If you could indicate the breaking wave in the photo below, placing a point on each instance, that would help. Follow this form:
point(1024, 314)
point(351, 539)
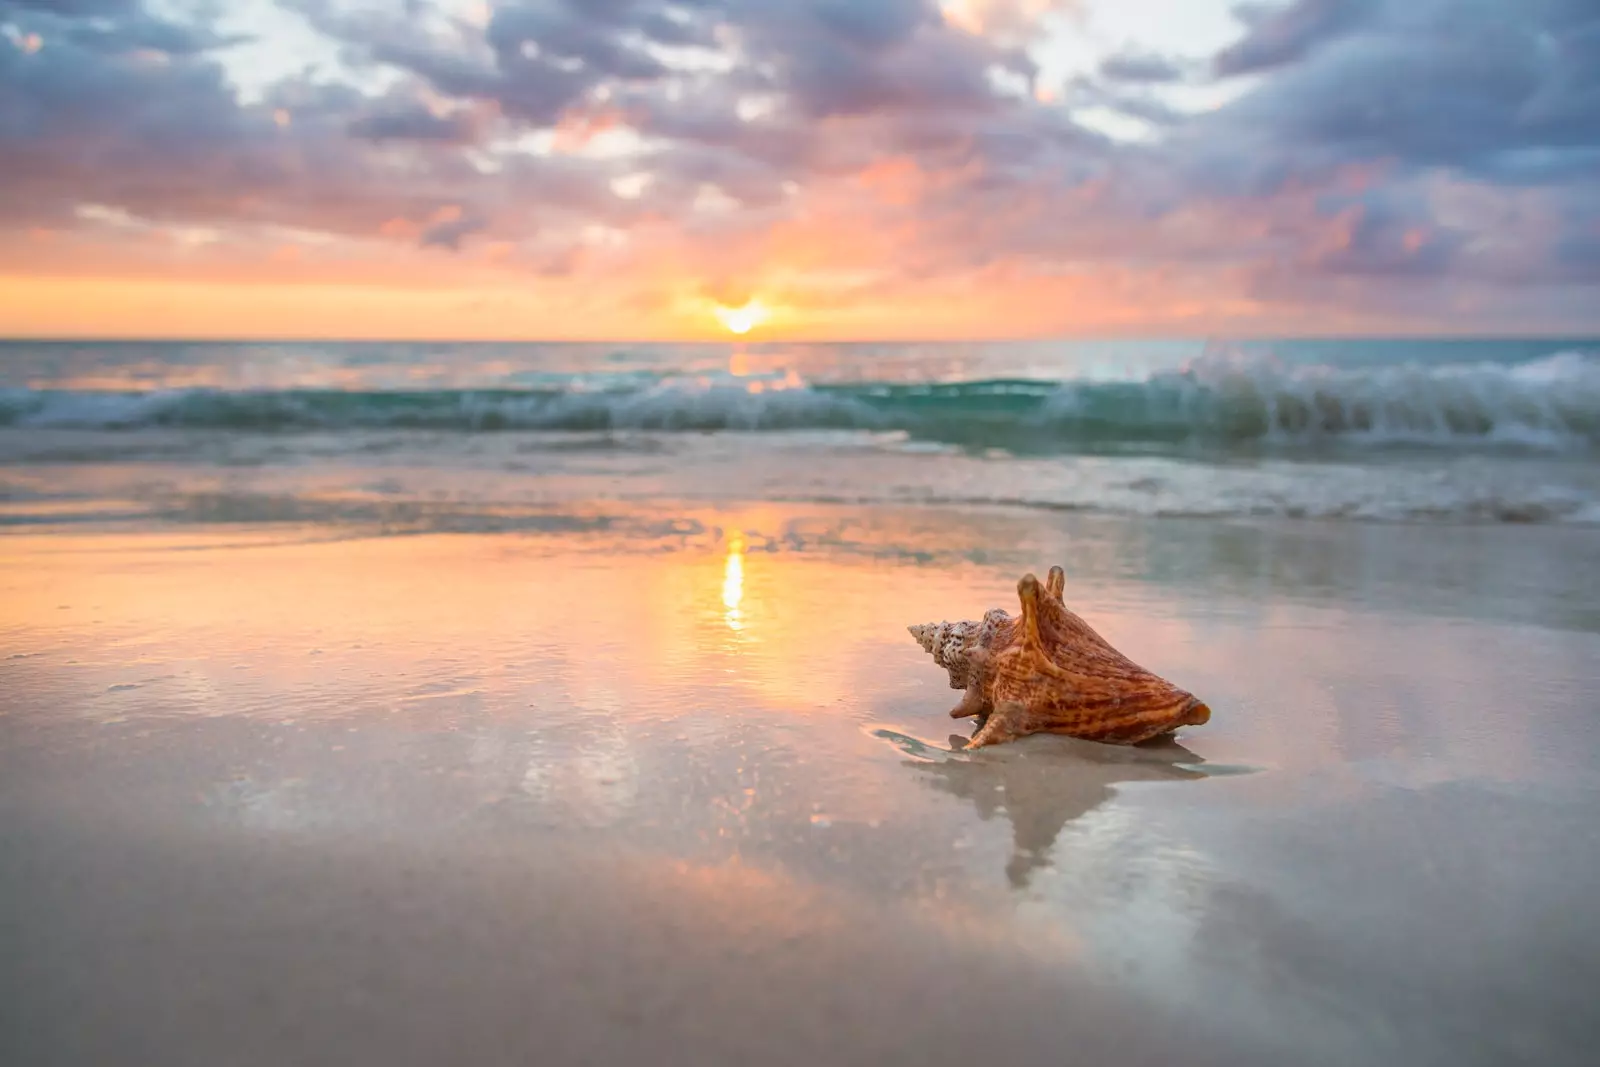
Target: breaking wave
point(1548, 405)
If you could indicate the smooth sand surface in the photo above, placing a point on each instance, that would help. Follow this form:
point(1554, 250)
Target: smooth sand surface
point(277, 796)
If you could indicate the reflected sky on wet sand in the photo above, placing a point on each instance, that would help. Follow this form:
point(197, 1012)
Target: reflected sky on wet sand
point(1374, 817)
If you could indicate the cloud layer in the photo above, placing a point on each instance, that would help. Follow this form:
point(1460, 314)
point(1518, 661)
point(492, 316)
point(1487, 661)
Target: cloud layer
point(872, 166)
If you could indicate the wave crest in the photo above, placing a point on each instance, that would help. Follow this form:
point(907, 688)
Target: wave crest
point(1551, 404)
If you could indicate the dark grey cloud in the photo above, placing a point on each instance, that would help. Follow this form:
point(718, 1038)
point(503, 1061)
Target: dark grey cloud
point(80, 8)
point(109, 26)
point(1141, 67)
point(871, 25)
point(406, 120)
point(908, 82)
point(944, 74)
point(823, 57)
point(79, 121)
point(1483, 87)
point(449, 233)
point(167, 140)
point(1376, 236)
point(840, 57)
point(1463, 126)
point(1278, 36)
point(1577, 253)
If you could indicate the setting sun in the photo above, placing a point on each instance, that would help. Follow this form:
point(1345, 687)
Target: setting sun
point(741, 320)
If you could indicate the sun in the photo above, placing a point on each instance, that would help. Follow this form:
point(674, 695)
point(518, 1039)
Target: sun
point(741, 320)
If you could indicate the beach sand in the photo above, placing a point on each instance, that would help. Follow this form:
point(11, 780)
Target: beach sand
point(674, 785)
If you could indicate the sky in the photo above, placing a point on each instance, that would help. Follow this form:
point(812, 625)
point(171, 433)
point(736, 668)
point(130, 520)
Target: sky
point(798, 169)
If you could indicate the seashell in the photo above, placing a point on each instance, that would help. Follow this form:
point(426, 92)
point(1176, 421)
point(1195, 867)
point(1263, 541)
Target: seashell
point(1048, 671)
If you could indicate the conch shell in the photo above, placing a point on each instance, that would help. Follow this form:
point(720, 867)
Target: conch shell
point(1049, 672)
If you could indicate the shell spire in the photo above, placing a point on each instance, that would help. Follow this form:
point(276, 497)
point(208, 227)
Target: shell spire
point(951, 645)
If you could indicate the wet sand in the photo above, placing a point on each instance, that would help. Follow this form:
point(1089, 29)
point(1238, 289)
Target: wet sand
point(687, 794)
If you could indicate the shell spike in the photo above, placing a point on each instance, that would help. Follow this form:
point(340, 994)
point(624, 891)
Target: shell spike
point(1056, 584)
point(1028, 593)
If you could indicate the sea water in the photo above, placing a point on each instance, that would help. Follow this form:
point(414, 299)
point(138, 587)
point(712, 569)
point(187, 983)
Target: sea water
point(1459, 431)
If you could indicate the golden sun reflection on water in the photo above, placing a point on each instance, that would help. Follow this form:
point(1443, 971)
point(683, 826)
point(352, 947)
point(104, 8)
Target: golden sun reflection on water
point(733, 584)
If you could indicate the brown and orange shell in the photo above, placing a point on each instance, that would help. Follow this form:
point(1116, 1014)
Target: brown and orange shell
point(1048, 671)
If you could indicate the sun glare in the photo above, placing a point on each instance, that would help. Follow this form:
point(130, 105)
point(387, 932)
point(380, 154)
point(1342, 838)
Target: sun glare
point(733, 584)
point(741, 320)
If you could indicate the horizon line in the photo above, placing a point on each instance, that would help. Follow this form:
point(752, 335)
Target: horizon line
point(756, 341)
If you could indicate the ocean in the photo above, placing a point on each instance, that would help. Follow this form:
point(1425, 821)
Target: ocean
point(557, 703)
point(1455, 431)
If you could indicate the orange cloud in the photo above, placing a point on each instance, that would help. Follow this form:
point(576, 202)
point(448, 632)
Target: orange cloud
point(400, 229)
point(896, 181)
point(984, 17)
point(579, 127)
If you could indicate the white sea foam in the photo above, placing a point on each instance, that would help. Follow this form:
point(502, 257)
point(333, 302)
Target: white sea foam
point(1550, 405)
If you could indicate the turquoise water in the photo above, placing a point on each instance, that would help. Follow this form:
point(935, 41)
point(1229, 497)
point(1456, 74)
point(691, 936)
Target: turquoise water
point(1543, 395)
point(1398, 429)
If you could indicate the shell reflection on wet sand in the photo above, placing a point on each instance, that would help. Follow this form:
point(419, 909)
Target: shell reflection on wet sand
point(1041, 790)
point(1050, 672)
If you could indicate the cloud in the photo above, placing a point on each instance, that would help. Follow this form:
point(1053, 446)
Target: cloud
point(406, 120)
point(1468, 88)
point(81, 8)
point(1282, 35)
point(452, 226)
point(1140, 67)
point(167, 140)
point(844, 147)
point(112, 25)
